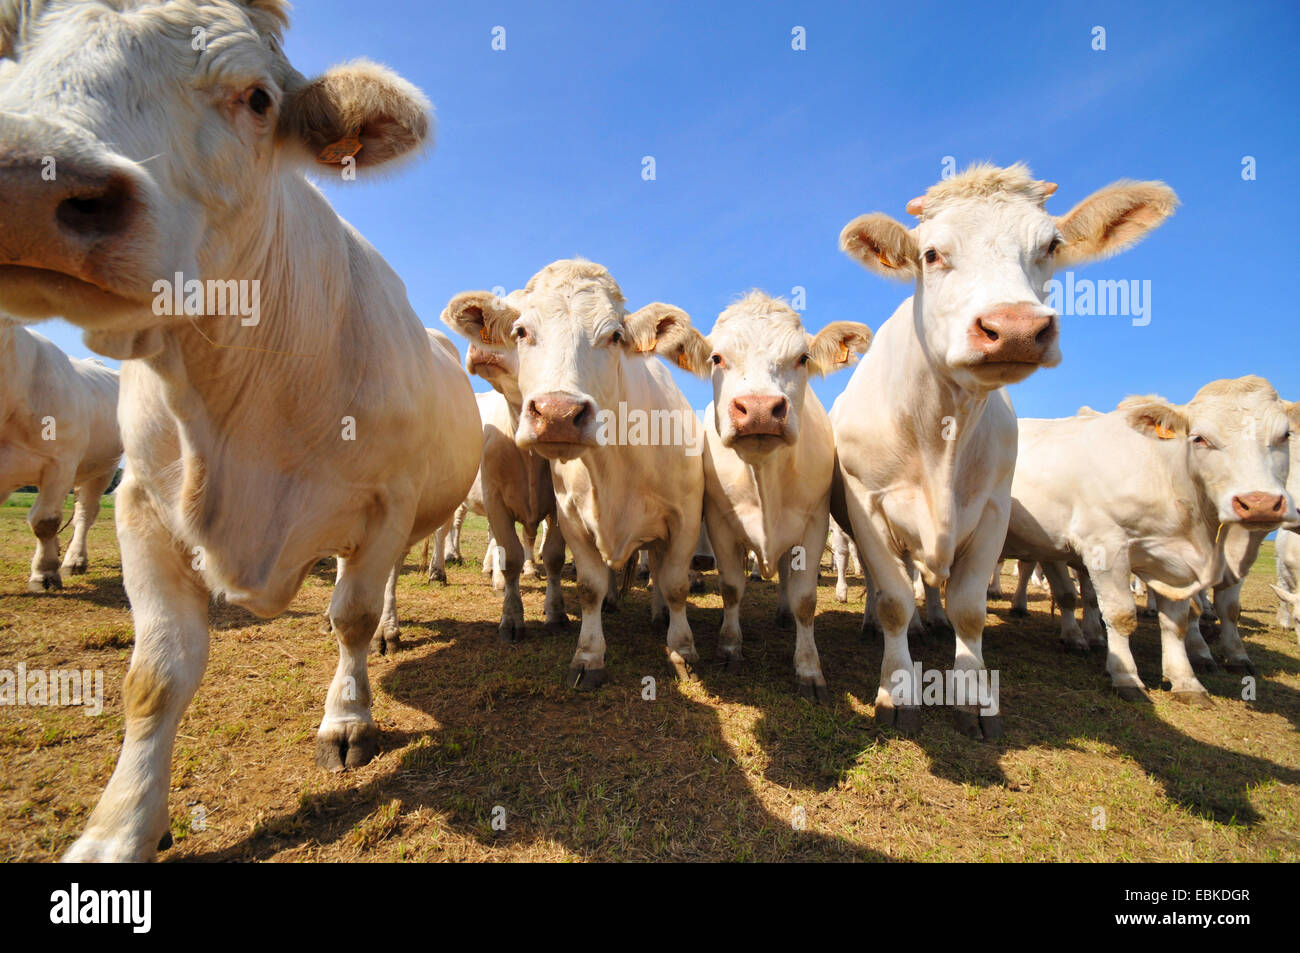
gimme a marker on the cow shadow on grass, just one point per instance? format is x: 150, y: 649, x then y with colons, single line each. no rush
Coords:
x: 607, y: 775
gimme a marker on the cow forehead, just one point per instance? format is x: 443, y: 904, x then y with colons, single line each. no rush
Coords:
x: 1000, y: 218
x: 1229, y: 411
x: 585, y: 299
x: 759, y: 326
x: 202, y: 41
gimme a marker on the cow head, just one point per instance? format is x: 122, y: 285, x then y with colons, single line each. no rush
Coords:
x: 760, y: 359
x: 982, y: 254
x: 1237, y: 439
x: 572, y: 334
x: 142, y: 139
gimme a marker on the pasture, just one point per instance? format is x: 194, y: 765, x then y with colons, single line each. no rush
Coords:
x: 722, y: 767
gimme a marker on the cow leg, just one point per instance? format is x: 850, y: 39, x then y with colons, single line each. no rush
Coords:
x: 45, y: 518
x: 854, y: 561
x: 1058, y: 578
x: 510, y: 552
x: 438, y: 554
x: 643, y: 565
x: 840, y: 558
x: 89, y: 495
x: 489, y: 557
x: 451, y: 553
x: 995, y: 582
x: 1020, y: 598
x: 754, y: 574
x: 672, y: 581
x: 979, y: 716
x: 169, y: 609
x: 870, y: 616
x: 1094, y: 629
x: 784, y: 617
x: 587, y: 669
x: 1174, y: 663
x: 730, y: 555
x: 1119, y: 613
x: 557, y: 620
x: 802, y: 587
x: 388, y: 635
x: 348, y: 737
x: 1227, y: 606
x: 528, y: 537
x: 936, y: 620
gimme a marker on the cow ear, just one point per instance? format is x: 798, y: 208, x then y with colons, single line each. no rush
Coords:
x: 667, y: 331
x: 838, y: 345
x: 882, y: 245
x: 483, y: 318
x: 1293, y: 416
x: 1154, y: 417
x: 1112, y: 219
x: 359, y: 111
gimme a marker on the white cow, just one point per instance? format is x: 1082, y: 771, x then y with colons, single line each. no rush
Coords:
x: 1286, y: 550
x: 514, y: 485
x: 771, y: 455
x: 623, y: 442
x: 58, y: 431
x: 925, y: 432
x: 1151, y: 489
x: 317, y: 421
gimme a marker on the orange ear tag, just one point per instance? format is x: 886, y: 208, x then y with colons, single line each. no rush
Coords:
x: 884, y: 261
x: 336, y: 152
x: 682, y: 361
x: 844, y: 354
x: 1164, y: 433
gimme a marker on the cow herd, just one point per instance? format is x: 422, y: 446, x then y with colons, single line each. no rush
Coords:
x: 336, y: 425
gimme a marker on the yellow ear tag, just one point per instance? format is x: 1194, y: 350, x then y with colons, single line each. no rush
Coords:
x: 487, y: 338
x: 336, y: 152
x: 682, y: 361
x: 646, y: 350
x: 1164, y: 433
x: 883, y: 260
x: 844, y: 354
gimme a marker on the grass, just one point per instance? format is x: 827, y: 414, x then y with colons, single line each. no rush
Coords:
x: 486, y: 756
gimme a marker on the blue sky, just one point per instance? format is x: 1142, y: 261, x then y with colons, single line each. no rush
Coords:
x: 763, y: 153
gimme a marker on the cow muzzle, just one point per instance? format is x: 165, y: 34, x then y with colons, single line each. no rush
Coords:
x: 559, y: 419
x: 759, y: 415
x: 1260, y: 508
x: 1013, y: 334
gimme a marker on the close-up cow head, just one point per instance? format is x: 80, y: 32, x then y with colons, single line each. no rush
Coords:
x: 572, y: 333
x: 1237, y: 438
x: 142, y: 139
x: 760, y: 359
x: 982, y: 254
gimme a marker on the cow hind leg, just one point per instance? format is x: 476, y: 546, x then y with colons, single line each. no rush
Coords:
x: 89, y: 495
x: 784, y: 614
x: 557, y: 620
x: 169, y: 608
x: 510, y: 552
x: 1058, y: 578
x: 388, y: 634
x: 802, y: 586
x: 672, y: 583
x: 1174, y: 662
x: 1020, y: 598
x: 731, y: 556
x: 45, y: 519
x: 1227, y: 605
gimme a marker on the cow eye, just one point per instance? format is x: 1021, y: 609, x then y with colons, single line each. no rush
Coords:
x: 716, y: 359
x: 1055, y: 244
x: 519, y: 334
x: 931, y: 256
x: 1200, y: 441
x: 616, y: 337
x: 259, y: 100
x: 804, y: 359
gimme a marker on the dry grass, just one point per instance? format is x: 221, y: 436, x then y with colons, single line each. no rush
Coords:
x: 712, y: 770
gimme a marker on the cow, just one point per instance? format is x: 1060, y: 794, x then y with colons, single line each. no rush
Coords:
x: 1286, y: 550
x: 770, y: 459
x: 844, y: 554
x: 624, y: 445
x: 58, y: 431
x: 925, y: 431
x: 257, y: 442
x: 513, y: 485
x: 1152, y: 489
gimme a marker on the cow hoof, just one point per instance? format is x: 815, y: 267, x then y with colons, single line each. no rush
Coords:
x: 39, y: 584
x: 1098, y: 645
x: 991, y: 725
x: 811, y: 690
x: 841, y: 596
x: 870, y: 632
x: 1204, y: 666
x: 683, y: 663
x: 347, y: 745
x: 586, y: 679
x: 905, y: 719
x: 386, y: 643
x: 438, y: 575
x: 1018, y: 613
x: 77, y: 568
x: 942, y: 629
x: 1131, y: 693
x: 784, y: 618
x: 1242, y: 666
x: 1076, y: 648
x: 165, y: 841
x: 558, y: 623
x: 659, y: 617
x: 325, y: 627
x: 529, y: 572
x: 510, y: 631
x: 1194, y: 699
x: 731, y: 664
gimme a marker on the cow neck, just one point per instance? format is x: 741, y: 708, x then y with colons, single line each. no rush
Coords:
x: 534, y: 463
x: 773, y: 478
x: 936, y: 408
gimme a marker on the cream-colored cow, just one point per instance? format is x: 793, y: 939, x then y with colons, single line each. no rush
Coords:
x: 624, y: 445
x: 58, y: 431
x: 925, y: 432
x: 771, y: 455
x: 319, y: 422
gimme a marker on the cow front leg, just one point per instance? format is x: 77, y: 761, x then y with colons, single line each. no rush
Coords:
x: 348, y: 737
x: 1020, y: 598
x: 976, y: 707
x: 511, y: 553
x: 528, y: 538
x: 1094, y: 628
x: 1058, y: 579
x: 45, y: 518
x: 672, y: 582
x: 802, y: 586
x: 1119, y: 614
x: 557, y: 620
x: 388, y: 634
x: 451, y: 554
x: 1227, y: 606
x: 1198, y: 653
x: 1174, y: 663
x: 89, y: 495
x: 840, y: 559
x: 169, y: 606
x: 730, y: 554
x: 587, y: 669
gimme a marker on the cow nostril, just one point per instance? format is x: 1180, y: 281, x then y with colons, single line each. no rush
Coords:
x: 532, y: 409
x: 988, y: 332
x: 105, y: 211
x: 778, y: 409
x: 739, y: 408
x: 1044, y: 336
x: 583, y: 413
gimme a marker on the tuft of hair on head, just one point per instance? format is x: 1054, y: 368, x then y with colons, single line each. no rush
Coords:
x: 1237, y: 387
x: 983, y: 180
